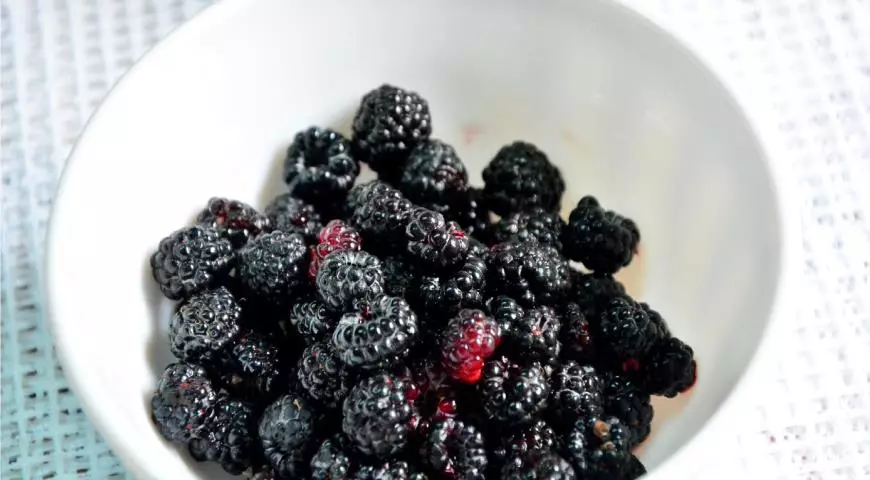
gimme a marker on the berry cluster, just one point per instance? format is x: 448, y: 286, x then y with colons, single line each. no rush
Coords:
x: 393, y: 330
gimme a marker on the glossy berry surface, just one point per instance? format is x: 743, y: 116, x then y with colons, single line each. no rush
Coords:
x: 319, y: 166
x: 470, y: 338
x: 530, y: 273
x: 602, y: 240
x: 203, y: 325
x: 433, y: 175
x: 236, y: 221
x: 379, y: 414
x: 182, y: 402
x: 336, y: 235
x: 377, y: 337
x: 293, y: 215
x: 191, y: 260
x: 520, y: 177
x: 433, y: 243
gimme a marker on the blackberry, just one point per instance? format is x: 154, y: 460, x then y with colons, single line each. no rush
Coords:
x: 288, y: 431
x: 626, y: 402
x: 512, y: 393
x: 313, y: 321
x: 228, y: 436
x: 601, y: 240
x: 576, y: 333
x: 182, y: 401
x: 506, y: 312
x: 393, y: 470
x: 536, y: 225
x: 599, y: 447
x: 634, y: 469
x: 264, y: 473
x: 455, y: 449
x: 331, y: 462
x: 379, y: 336
x: 531, y: 273
x: 531, y: 440
x: 379, y: 414
x: 400, y: 278
x: 470, y: 338
x: 203, y: 325
x: 336, y: 235
x: 292, y: 215
x: 389, y: 123
x: 577, y: 393
x: 626, y: 329
x: 549, y: 466
x: 521, y: 178
x: 451, y: 292
x: 433, y: 174
x: 255, y: 368
x: 470, y: 211
x: 236, y: 221
x: 191, y: 260
x: 273, y: 266
x: 536, y: 335
x: 592, y: 292
x: 382, y: 219
x: 319, y: 166
x: 476, y: 248
x: 657, y: 320
x: 347, y: 277
x: 363, y: 192
x: 322, y: 376
x: 435, y: 244
x: 669, y: 370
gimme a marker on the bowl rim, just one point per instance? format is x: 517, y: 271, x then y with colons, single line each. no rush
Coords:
x: 80, y: 378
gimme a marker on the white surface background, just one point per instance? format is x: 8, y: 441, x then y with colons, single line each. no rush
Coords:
x: 800, y: 67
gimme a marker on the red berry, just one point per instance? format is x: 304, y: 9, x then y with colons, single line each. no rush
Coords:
x: 471, y: 338
x: 336, y: 235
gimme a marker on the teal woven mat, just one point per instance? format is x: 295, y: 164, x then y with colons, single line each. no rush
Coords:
x: 59, y: 59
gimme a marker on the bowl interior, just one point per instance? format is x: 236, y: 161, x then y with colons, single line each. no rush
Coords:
x: 626, y: 113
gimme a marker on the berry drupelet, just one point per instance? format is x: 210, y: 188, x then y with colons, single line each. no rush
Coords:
x: 389, y: 123
x: 576, y: 335
x: 433, y: 243
x: 451, y: 292
x: 531, y: 273
x: 536, y: 225
x: 322, y: 375
x: 626, y: 402
x: 336, y: 235
x: 433, y: 175
x: 469, y: 210
x: 469, y: 339
x: 669, y: 369
x: 227, y: 437
x: 288, y: 430
x: 547, y: 466
x: 273, y: 266
x: 599, y: 447
x: 319, y: 166
x: 513, y: 393
x: 313, y: 320
x: 506, y: 312
x: 331, y: 462
x: 292, y: 215
x: 592, y: 292
x: 191, y: 260
x: 392, y: 470
x: 626, y: 330
x: 382, y: 219
x: 203, y: 325
x: 455, y: 449
x: 521, y: 178
x: 255, y: 368
x: 534, y: 439
x: 535, y: 335
x: 347, y: 277
x: 236, y: 221
x: 379, y: 414
x: 603, y: 241
x: 577, y: 393
x: 182, y: 402
x: 379, y: 336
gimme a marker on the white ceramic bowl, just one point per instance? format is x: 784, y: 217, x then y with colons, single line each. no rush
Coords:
x: 627, y: 113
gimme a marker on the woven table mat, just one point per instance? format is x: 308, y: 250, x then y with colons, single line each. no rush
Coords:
x: 801, y: 68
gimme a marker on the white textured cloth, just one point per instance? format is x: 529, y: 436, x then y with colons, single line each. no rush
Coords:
x: 800, y: 67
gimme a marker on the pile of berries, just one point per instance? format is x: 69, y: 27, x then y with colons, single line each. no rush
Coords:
x: 394, y: 330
